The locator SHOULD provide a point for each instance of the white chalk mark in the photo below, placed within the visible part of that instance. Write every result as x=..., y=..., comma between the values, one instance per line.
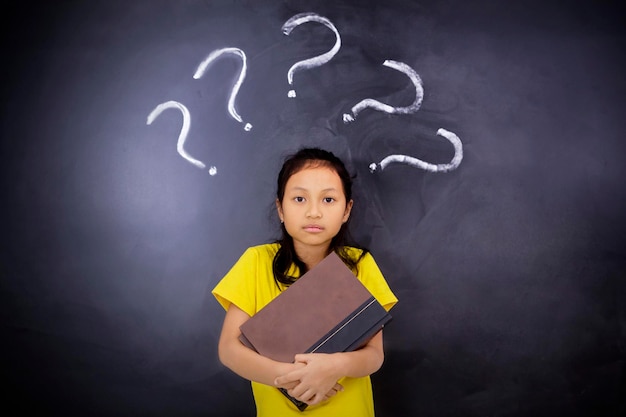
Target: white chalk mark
x=418, y=163
x=377, y=105
x=316, y=61
x=184, y=131
x=235, y=90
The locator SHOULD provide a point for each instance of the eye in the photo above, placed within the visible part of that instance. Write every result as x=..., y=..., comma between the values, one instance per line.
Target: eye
x=329, y=200
x=298, y=199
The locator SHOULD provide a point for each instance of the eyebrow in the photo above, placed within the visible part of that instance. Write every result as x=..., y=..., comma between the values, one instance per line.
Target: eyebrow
x=306, y=189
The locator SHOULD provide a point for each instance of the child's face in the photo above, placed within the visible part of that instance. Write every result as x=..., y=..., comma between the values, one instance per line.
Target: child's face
x=314, y=207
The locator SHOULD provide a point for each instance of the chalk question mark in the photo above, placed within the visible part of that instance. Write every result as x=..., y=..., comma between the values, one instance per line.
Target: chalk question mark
x=377, y=105
x=316, y=61
x=418, y=163
x=235, y=90
x=184, y=131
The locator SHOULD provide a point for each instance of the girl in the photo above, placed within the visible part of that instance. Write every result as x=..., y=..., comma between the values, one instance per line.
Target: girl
x=313, y=201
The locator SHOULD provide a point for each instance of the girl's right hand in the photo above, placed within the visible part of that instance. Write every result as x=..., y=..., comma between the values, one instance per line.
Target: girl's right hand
x=290, y=385
x=314, y=382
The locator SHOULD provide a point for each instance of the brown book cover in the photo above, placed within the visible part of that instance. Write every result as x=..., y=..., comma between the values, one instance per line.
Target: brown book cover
x=326, y=310
x=325, y=303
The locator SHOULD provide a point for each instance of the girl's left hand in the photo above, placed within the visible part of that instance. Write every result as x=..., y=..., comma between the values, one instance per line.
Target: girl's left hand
x=316, y=379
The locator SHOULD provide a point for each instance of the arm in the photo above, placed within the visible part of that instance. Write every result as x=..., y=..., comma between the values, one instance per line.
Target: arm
x=244, y=361
x=322, y=371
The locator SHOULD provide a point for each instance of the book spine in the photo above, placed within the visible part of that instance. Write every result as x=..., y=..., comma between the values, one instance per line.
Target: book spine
x=355, y=330
x=362, y=341
x=299, y=404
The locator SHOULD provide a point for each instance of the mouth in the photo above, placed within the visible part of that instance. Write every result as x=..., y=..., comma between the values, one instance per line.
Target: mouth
x=313, y=228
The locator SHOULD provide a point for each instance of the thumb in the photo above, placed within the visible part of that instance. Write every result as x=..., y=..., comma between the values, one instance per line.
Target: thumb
x=302, y=357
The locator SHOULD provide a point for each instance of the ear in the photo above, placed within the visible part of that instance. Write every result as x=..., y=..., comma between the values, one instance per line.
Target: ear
x=279, y=210
x=346, y=214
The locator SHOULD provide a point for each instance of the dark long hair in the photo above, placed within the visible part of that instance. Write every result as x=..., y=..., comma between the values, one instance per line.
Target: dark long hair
x=286, y=255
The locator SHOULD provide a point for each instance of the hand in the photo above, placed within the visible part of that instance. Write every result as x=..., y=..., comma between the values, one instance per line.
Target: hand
x=315, y=381
x=292, y=383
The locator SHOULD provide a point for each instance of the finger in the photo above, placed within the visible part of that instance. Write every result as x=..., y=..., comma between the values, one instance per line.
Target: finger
x=301, y=357
x=288, y=385
x=306, y=396
x=317, y=398
x=334, y=390
x=287, y=378
x=298, y=391
x=331, y=393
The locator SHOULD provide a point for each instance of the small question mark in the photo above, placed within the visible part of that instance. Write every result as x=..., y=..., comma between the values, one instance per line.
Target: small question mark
x=418, y=163
x=377, y=105
x=242, y=75
x=297, y=20
x=182, y=137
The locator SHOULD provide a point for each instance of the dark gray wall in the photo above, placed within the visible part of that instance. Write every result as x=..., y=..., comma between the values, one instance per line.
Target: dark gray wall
x=510, y=269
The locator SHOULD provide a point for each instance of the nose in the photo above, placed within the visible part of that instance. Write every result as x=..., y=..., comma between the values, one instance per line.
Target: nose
x=313, y=211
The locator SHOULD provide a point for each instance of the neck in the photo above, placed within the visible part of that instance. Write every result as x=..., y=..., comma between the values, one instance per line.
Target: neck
x=311, y=255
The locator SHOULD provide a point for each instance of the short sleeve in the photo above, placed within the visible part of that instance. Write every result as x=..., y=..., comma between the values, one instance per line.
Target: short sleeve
x=238, y=285
x=373, y=279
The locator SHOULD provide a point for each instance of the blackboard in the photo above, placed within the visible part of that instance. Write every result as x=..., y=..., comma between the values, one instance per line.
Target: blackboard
x=509, y=263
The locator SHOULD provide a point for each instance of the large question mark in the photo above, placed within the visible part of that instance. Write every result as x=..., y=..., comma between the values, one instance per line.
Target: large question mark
x=242, y=75
x=297, y=20
x=418, y=163
x=377, y=105
x=184, y=131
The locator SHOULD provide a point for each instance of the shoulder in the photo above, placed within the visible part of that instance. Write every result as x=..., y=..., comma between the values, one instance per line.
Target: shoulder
x=371, y=276
x=254, y=259
x=261, y=252
x=250, y=274
x=359, y=255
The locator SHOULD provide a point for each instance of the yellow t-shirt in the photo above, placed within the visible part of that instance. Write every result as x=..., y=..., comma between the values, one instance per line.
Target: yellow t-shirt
x=250, y=286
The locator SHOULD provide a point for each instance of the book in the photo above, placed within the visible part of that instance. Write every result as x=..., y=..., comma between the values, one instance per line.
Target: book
x=326, y=310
